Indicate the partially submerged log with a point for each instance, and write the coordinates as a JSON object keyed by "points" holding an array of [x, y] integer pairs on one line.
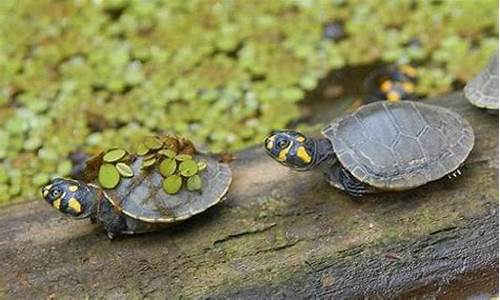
{"points": [[279, 234]]}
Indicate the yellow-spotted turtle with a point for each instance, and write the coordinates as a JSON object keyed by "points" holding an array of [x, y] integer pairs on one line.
{"points": [[383, 146]]}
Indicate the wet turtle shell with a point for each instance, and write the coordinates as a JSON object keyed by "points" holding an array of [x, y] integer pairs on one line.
{"points": [[482, 90], [402, 145], [142, 197]]}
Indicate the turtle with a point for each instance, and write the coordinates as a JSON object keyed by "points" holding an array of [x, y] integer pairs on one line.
{"points": [[393, 83], [139, 202], [482, 90], [382, 146]]}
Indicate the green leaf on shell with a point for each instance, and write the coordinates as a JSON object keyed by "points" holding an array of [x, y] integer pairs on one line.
{"points": [[114, 155], [148, 163], [182, 157], [153, 143], [202, 165], [188, 168], [172, 184], [168, 153], [194, 183], [108, 176], [168, 167], [124, 170], [142, 150]]}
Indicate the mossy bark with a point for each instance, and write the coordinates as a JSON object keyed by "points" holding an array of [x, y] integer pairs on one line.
{"points": [[279, 234]]}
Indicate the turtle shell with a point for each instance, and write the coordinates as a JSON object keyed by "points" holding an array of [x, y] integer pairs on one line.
{"points": [[401, 145], [482, 90], [142, 197]]}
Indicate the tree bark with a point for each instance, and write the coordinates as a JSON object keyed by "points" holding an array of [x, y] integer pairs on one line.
{"points": [[279, 234]]}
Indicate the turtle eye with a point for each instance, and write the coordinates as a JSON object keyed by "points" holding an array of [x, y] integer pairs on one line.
{"points": [[55, 193], [283, 143]]}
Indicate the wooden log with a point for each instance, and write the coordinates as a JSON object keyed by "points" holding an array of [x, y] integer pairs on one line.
{"points": [[279, 234]]}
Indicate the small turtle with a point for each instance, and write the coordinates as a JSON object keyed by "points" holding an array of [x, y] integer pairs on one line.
{"points": [[482, 90], [383, 146], [139, 202], [393, 84]]}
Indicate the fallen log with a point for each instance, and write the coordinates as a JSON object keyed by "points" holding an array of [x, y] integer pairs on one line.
{"points": [[279, 234]]}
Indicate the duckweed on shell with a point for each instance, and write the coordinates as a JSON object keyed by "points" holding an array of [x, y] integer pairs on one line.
{"points": [[188, 168], [194, 183], [182, 157], [168, 167], [142, 150], [172, 184], [108, 176], [153, 143], [148, 163], [202, 165], [168, 153], [124, 170], [114, 155]]}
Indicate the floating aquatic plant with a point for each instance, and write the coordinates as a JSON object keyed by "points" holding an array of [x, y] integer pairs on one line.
{"points": [[94, 75]]}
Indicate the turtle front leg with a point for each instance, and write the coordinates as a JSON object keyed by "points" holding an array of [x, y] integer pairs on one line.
{"points": [[353, 186]]}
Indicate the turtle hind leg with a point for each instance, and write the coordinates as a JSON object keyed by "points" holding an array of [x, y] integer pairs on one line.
{"points": [[353, 186]]}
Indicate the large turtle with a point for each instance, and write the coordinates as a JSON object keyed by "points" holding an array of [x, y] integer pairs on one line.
{"points": [[482, 90], [142, 200], [383, 146]]}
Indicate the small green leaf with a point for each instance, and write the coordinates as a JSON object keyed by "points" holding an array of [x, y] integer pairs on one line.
{"points": [[114, 155], [182, 157], [148, 163], [142, 150], [194, 183], [108, 176], [150, 156], [202, 165], [124, 170], [172, 184], [153, 143], [168, 167], [188, 168], [168, 153]]}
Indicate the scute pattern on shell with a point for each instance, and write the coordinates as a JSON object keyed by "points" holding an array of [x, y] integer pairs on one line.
{"points": [[142, 196], [482, 90], [397, 146]]}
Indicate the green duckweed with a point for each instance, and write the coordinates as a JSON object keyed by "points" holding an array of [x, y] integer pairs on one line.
{"points": [[124, 170], [188, 168], [91, 75], [168, 167], [109, 177], [114, 155], [194, 183], [172, 184]]}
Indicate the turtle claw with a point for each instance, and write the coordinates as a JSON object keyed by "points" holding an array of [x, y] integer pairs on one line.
{"points": [[455, 173], [111, 235]]}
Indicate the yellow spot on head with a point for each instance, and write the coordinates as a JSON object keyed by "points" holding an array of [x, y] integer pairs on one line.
{"points": [[45, 192], [73, 188], [393, 96], [75, 205], [57, 203], [270, 143], [284, 153], [386, 86], [408, 87], [302, 154], [301, 139]]}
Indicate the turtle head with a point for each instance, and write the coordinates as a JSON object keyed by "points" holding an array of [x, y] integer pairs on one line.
{"points": [[73, 198], [292, 149]]}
